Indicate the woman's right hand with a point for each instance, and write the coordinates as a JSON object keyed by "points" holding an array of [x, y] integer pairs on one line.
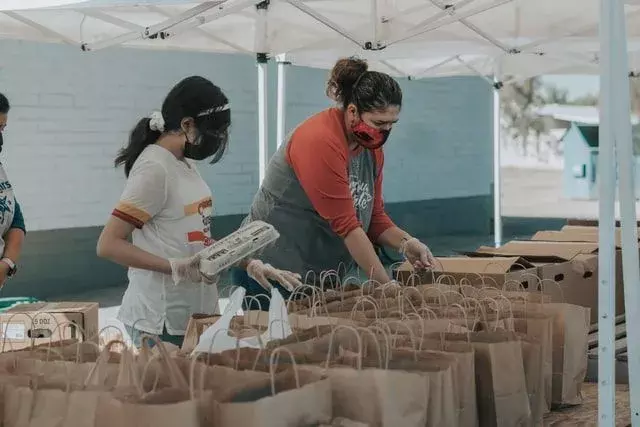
{"points": [[187, 270]]}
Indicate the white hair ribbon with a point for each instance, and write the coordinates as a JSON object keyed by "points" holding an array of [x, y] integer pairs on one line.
{"points": [[156, 121]]}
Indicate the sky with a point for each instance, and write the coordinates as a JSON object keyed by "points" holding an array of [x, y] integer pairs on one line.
{"points": [[576, 85]]}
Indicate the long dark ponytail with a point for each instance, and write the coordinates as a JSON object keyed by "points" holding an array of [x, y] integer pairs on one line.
{"points": [[140, 137], [194, 97]]}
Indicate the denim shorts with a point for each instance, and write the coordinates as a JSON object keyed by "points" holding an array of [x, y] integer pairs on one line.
{"points": [[260, 301]]}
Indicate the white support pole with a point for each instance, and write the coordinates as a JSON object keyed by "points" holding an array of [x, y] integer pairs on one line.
{"points": [[263, 118], [281, 130], [626, 164], [606, 224], [497, 176]]}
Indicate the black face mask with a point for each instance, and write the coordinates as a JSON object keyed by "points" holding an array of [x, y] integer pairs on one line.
{"points": [[1, 142], [206, 144]]}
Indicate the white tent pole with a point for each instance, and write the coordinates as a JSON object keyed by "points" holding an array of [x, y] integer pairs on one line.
{"points": [[262, 60], [283, 63], [606, 224], [627, 196], [497, 176]]}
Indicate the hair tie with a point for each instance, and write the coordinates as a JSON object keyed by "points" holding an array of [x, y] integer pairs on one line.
{"points": [[156, 122]]}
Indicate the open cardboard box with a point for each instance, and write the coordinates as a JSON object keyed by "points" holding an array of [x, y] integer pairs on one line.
{"points": [[487, 271], [30, 325], [568, 270], [572, 233]]}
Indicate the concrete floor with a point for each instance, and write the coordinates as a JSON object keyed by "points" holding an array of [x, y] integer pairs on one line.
{"points": [[536, 193]]}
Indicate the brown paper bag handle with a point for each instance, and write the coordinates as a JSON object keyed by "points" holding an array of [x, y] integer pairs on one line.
{"points": [[363, 351], [553, 282], [403, 299], [176, 377], [441, 278], [79, 343], [383, 288], [325, 275], [428, 311], [473, 274], [535, 278], [473, 291], [451, 292], [300, 289], [440, 292], [362, 300], [387, 347], [318, 304], [358, 339], [307, 275], [192, 379], [412, 337], [274, 361]]}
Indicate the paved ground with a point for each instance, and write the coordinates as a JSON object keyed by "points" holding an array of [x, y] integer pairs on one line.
{"points": [[538, 194]]}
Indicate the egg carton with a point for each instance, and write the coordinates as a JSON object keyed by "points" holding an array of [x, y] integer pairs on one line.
{"points": [[235, 247]]}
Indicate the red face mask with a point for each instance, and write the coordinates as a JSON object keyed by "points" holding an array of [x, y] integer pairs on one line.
{"points": [[369, 137]]}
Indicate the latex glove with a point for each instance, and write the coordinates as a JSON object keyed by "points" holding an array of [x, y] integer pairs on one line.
{"points": [[418, 254], [263, 273], [187, 270]]}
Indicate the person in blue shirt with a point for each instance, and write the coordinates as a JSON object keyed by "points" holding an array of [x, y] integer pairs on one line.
{"points": [[12, 228]]}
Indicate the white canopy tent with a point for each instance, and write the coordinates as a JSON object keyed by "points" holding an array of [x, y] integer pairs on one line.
{"points": [[415, 38]]}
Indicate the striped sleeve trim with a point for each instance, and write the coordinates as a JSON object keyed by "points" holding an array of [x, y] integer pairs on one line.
{"points": [[131, 214]]}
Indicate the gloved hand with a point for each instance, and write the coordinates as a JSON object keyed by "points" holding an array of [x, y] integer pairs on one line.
{"points": [[417, 253], [263, 273], [187, 270]]}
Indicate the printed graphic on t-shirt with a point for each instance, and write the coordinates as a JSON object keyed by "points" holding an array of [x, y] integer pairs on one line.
{"points": [[6, 199], [203, 208], [361, 194], [6, 206]]}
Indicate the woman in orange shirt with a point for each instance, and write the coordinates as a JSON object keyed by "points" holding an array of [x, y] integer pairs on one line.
{"points": [[323, 188]]}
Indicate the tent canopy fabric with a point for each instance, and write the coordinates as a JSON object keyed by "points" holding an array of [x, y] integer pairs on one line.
{"points": [[417, 38]]}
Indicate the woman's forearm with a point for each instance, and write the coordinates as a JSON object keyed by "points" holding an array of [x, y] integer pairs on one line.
{"points": [[13, 240], [365, 256], [124, 253], [393, 237]]}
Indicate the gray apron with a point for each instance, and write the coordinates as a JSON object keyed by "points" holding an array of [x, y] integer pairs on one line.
{"points": [[307, 242]]}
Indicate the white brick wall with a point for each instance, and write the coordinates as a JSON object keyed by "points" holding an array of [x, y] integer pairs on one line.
{"points": [[72, 112]]}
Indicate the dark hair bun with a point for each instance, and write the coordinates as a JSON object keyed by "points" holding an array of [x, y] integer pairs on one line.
{"points": [[344, 75]]}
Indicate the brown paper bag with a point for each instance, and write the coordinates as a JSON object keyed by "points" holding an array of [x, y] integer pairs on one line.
{"points": [[500, 379], [301, 397], [539, 327], [464, 373], [46, 401], [570, 346]]}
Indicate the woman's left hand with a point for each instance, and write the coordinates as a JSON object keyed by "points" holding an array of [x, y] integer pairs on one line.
{"points": [[418, 254], [264, 273]]}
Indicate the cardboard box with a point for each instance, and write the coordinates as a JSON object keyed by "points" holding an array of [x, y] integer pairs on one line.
{"points": [[27, 325], [575, 234], [588, 222], [487, 271], [572, 265]]}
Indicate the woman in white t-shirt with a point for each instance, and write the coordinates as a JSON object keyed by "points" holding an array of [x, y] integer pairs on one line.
{"points": [[166, 209]]}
